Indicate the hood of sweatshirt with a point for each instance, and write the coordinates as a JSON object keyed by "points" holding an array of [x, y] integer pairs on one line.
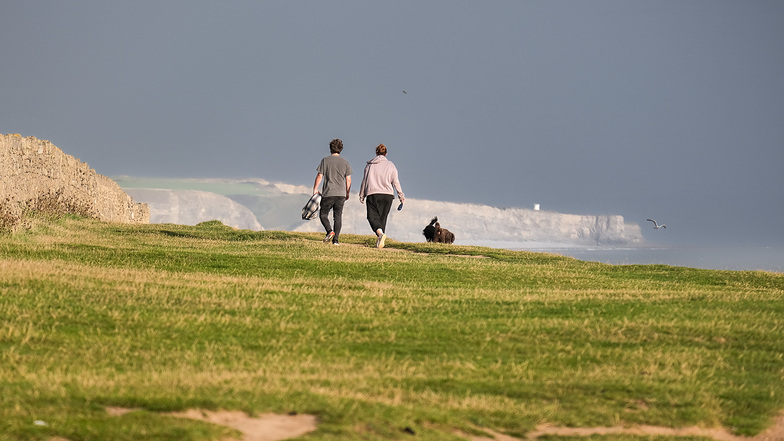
{"points": [[377, 159]]}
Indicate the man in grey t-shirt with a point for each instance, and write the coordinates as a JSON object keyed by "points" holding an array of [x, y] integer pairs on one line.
{"points": [[335, 172]]}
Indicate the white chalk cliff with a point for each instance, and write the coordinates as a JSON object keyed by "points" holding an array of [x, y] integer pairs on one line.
{"points": [[189, 207], [258, 204]]}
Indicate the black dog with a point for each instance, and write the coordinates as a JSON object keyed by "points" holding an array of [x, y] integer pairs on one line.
{"points": [[430, 230], [434, 233], [442, 235]]}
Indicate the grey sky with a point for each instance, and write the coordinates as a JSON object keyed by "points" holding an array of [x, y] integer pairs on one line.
{"points": [[667, 109]]}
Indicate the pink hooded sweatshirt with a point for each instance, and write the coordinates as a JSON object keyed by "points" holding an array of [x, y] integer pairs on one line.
{"points": [[380, 178]]}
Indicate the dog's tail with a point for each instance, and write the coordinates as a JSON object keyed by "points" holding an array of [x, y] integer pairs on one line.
{"points": [[434, 220]]}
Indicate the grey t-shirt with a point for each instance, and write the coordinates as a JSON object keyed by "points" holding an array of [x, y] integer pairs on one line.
{"points": [[335, 169]]}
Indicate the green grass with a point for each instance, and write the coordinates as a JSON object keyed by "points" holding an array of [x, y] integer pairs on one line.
{"points": [[433, 337]]}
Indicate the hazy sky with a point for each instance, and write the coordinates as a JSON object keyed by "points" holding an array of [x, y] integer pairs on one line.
{"points": [[665, 109]]}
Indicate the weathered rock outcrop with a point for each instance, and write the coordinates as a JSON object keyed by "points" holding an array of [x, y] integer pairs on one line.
{"points": [[31, 169]]}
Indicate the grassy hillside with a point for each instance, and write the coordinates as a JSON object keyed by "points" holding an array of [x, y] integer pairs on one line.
{"points": [[433, 338]]}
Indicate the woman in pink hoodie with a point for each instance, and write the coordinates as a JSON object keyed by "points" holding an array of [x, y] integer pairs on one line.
{"points": [[379, 184]]}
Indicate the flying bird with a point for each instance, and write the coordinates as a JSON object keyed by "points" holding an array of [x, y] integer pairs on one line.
{"points": [[655, 225], [405, 93]]}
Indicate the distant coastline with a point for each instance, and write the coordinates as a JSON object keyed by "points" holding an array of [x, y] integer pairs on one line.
{"points": [[732, 258], [259, 204]]}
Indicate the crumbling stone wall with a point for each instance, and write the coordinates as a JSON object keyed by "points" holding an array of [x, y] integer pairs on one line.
{"points": [[33, 169]]}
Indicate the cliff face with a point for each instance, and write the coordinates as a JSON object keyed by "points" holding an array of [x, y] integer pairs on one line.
{"points": [[482, 222], [31, 169], [473, 222], [278, 206], [189, 207]]}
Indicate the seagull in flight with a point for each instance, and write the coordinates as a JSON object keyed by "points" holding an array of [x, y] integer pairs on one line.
{"points": [[657, 226]]}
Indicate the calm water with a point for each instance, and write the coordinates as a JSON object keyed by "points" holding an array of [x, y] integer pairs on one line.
{"points": [[722, 258]]}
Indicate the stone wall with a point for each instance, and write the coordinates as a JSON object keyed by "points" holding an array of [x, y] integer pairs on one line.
{"points": [[32, 168]]}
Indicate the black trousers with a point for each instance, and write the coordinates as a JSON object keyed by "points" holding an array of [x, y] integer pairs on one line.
{"points": [[378, 206], [334, 203]]}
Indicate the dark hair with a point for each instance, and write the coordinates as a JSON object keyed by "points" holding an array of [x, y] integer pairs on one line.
{"points": [[336, 146], [381, 150]]}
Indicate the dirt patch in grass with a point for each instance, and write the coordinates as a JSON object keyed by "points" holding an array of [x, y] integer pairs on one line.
{"points": [[273, 427], [356, 245], [774, 433], [266, 427]]}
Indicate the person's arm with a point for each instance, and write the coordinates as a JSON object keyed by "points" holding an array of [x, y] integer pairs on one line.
{"points": [[396, 184], [363, 185], [348, 186], [317, 183]]}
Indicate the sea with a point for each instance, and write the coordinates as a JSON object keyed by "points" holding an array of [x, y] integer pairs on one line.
{"points": [[733, 258]]}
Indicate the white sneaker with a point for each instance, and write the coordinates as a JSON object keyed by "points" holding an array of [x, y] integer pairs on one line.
{"points": [[380, 241]]}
